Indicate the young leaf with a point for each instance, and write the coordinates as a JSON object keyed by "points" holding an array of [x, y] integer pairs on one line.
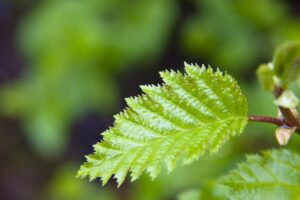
{"points": [[287, 62], [265, 76], [274, 175], [178, 121]]}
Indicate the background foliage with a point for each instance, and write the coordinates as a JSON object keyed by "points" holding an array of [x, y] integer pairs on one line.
{"points": [[67, 65]]}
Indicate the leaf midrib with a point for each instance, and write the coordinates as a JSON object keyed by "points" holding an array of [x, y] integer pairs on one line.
{"points": [[158, 139]]}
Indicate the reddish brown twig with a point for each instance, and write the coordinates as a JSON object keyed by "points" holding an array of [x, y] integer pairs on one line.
{"points": [[267, 119]]}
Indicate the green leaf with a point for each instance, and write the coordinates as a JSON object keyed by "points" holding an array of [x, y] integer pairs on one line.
{"points": [[274, 175], [287, 62], [265, 76], [178, 121]]}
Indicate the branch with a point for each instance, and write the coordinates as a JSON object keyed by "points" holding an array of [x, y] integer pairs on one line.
{"points": [[289, 119], [288, 115], [267, 119], [272, 120]]}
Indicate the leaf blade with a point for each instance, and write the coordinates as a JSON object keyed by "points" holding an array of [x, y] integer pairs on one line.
{"points": [[273, 175], [188, 115]]}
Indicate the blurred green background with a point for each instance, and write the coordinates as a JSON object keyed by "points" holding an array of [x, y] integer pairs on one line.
{"points": [[66, 66]]}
